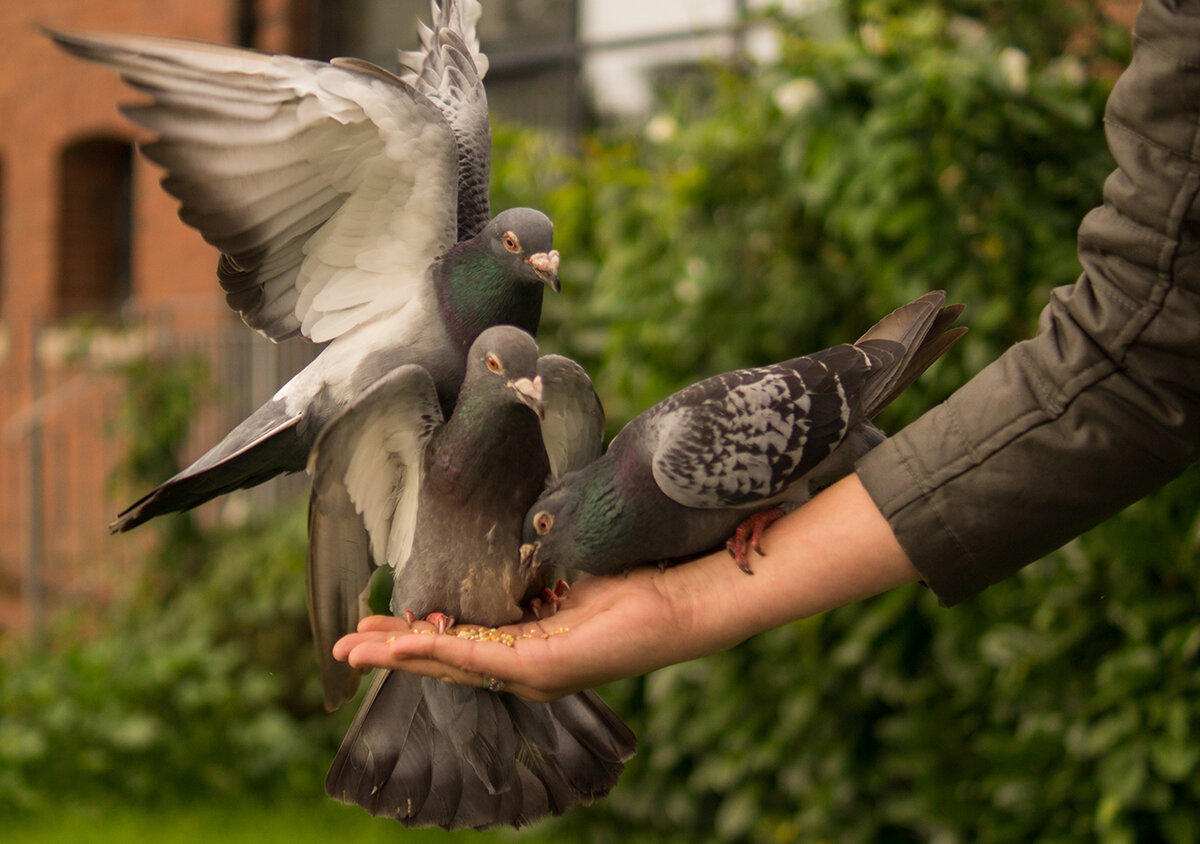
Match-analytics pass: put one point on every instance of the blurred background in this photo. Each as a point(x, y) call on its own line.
point(732, 183)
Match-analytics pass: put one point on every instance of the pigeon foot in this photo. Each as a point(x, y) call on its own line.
point(439, 620)
point(749, 535)
point(546, 604)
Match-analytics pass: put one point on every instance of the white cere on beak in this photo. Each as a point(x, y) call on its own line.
point(546, 265)
point(531, 388)
point(545, 262)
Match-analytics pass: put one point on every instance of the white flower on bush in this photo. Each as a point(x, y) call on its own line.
point(796, 95)
point(1014, 65)
point(661, 128)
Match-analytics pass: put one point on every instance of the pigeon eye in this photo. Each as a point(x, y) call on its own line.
point(511, 243)
point(542, 522)
point(493, 363)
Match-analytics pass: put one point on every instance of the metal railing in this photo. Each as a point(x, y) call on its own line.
point(61, 442)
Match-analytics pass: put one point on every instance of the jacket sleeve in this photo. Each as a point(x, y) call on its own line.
point(1102, 406)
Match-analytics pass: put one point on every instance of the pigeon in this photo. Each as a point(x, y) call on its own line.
point(441, 502)
point(350, 207)
point(717, 461)
point(345, 584)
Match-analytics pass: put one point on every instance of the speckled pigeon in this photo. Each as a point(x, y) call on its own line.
point(442, 503)
point(350, 206)
point(704, 463)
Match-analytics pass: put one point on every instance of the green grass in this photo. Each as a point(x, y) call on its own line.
point(292, 823)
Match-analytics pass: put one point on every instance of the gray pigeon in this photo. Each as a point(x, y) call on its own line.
point(345, 584)
point(442, 504)
point(350, 207)
point(724, 456)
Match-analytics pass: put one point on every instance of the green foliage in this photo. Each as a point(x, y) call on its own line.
point(162, 398)
point(201, 691)
point(200, 682)
point(799, 203)
point(155, 413)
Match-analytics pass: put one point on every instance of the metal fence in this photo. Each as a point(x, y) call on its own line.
point(61, 440)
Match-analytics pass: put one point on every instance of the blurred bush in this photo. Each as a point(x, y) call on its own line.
point(200, 681)
point(204, 691)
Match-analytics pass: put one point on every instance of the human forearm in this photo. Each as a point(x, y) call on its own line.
point(834, 550)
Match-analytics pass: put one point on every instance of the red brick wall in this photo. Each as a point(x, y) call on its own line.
point(48, 100)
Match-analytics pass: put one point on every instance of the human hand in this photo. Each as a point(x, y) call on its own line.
point(605, 628)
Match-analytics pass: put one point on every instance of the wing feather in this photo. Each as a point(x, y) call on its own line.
point(573, 422)
point(291, 167)
point(448, 69)
point(366, 467)
point(746, 436)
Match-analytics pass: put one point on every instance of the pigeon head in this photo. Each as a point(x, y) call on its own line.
point(576, 523)
point(505, 358)
point(522, 241)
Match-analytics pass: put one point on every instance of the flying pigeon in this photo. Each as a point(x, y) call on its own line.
point(350, 206)
point(724, 456)
point(442, 502)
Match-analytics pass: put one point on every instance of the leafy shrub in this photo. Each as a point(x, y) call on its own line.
point(205, 690)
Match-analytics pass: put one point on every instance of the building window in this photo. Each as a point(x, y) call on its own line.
point(96, 220)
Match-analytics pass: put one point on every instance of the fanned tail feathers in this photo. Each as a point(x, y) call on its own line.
point(429, 753)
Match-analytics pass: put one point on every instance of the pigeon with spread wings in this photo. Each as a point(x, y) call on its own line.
point(350, 207)
point(441, 503)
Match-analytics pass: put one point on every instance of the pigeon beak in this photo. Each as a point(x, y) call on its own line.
point(529, 391)
point(545, 264)
point(529, 559)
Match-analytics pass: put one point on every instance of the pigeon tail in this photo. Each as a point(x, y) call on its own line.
point(429, 753)
point(922, 327)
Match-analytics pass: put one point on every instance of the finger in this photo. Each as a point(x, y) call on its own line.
point(394, 623)
point(343, 646)
point(375, 652)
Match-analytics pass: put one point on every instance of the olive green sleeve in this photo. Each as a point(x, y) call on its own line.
point(1102, 406)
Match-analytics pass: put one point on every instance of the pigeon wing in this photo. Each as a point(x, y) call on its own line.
point(573, 422)
point(366, 467)
point(328, 188)
point(448, 69)
point(744, 437)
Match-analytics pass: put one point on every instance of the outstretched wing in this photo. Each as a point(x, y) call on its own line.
point(745, 436)
point(573, 422)
point(449, 70)
point(328, 188)
point(366, 467)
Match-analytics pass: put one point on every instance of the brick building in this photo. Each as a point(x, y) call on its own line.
point(94, 267)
